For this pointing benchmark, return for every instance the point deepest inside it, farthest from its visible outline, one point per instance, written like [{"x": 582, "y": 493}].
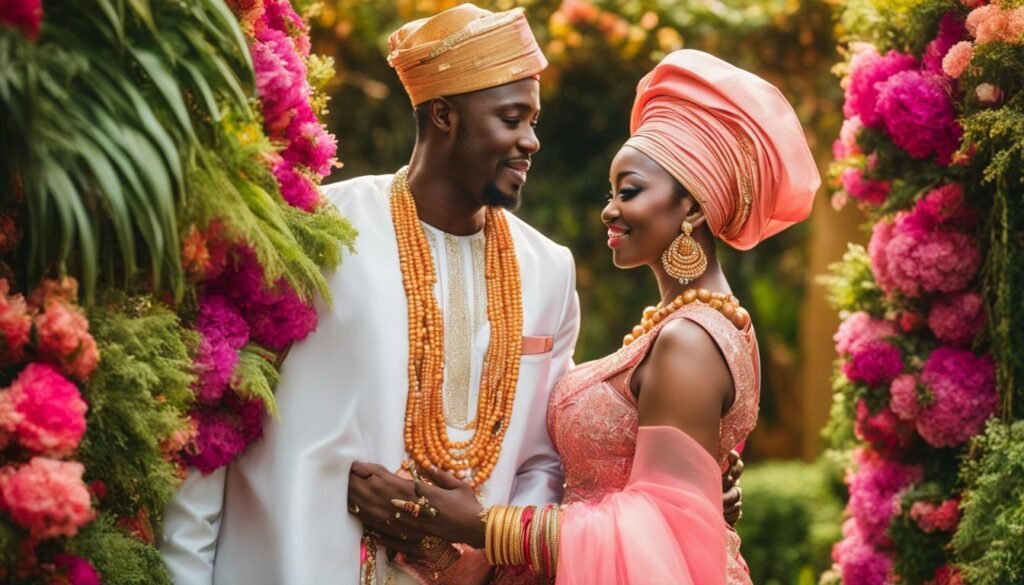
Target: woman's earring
[{"x": 684, "y": 259}]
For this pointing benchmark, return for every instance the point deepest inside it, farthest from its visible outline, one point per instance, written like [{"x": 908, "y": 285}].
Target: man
[{"x": 450, "y": 326}]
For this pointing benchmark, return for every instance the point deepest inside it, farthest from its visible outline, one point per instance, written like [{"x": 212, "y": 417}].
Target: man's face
[{"x": 495, "y": 140}]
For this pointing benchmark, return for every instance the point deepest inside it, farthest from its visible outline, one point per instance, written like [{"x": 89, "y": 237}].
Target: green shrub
[{"x": 791, "y": 518}]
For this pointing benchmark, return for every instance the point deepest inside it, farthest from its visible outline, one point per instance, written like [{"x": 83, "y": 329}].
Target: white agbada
[{"x": 278, "y": 516}]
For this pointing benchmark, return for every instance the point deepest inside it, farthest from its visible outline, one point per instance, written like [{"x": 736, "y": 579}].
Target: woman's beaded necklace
[
  {"x": 426, "y": 431},
  {"x": 728, "y": 305}
]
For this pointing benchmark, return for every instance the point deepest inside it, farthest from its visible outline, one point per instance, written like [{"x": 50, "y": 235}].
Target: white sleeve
[
  {"x": 188, "y": 542},
  {"x": 540, "y": 477}
]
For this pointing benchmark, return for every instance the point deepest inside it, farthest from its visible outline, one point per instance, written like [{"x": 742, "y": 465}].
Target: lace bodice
[{"x": 592, "y": 414}]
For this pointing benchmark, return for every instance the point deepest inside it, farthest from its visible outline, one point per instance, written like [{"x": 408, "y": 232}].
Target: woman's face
[{"x": 644, "y": 212}]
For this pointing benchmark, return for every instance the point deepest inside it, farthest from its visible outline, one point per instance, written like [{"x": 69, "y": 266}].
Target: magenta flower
[
  {"x": 887, "y": 434},
  {"x": 874, "y": 492},
  {"x": 903, "y": 397},
  {"x": 870, "y": 191},
  {"x": 963, "y": 396},
  {"x": 868, "y": 70},
  {"x": 859, "y": 562},
  {"x": 931, "y": 518},
  {"x": 916, "y": 110},
  {"x": 957, "y": 319},
  {"x": 860, "y": 330},
  {"x": 23, "y": 15},
  {"x": 874, "y": 364},
  {"x": 76, "y": 570},
  {"x": 219, "y": 439},
  {"x": 951, "y": 31}
]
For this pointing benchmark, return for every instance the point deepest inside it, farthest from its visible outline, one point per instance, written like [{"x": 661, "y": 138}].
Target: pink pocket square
[{"x": 539, "y": 344}]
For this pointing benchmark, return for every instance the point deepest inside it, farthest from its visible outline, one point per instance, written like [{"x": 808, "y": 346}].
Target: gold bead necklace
[
  {"x": 426, "y": 432},
  {"x": 728, "y": 305}
]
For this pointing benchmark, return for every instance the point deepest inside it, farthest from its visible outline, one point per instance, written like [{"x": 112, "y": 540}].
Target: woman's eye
[
  {"x": 628, "y": 193},
  {"x": 511, "y": 121}
]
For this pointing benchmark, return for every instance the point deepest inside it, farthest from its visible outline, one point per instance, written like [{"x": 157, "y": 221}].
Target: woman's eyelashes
[{"x": 625, "y": 193}]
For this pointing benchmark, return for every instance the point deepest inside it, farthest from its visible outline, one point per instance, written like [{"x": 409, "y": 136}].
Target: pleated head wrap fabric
[
  {"x": 731, "y": 139},
  {"x": 464, "y": 49}
]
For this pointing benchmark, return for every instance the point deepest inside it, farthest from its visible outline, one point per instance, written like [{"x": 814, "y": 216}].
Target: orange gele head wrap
[
  {"x": 731, "y": 139},
  {"x": 464, "y": 49}
]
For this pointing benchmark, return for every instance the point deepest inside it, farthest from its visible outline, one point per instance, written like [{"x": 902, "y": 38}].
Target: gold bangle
[
  {"x": 548, "y": 539},
  {"x": 535, "y": 529},
  {"x": 499, "y": 535},
  {"x": 556, "y": 530},
  {"x": 507, "y": 535},
  {"x": 489, "y": 523}
]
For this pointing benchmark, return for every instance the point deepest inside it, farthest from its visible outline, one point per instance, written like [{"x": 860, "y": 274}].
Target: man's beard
[{"x": 495, "y": 197}]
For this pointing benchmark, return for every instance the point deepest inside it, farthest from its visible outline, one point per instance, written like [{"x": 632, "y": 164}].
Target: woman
[{"x": 714, "y": 152}]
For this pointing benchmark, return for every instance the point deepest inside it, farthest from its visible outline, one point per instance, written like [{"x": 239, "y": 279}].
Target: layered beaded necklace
[
  {"x": 728, "y": 305},
  {"x": 426, "y": 431}
]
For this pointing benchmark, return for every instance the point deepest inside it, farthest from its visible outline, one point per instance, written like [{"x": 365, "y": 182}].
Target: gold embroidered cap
[{"x": 463, "y": 49}]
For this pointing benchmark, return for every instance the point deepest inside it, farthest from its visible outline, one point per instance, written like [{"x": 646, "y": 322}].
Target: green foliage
[
  {"x": 120, "y": 559},
  {"x": 999, "y": 134},
  {"x": 138, "y": 397},
  {"x": 851, "y": 286},
  {"x": 989, "y": 542},
  {"x": 903, "y": 25},
  {"x": 920, "y": 552},
  {"x": 232, "y": 185},
  {"x": 791, "y": 518},
  {"x": 255, "y": 376},
  {"x": 96, "y": 123}
]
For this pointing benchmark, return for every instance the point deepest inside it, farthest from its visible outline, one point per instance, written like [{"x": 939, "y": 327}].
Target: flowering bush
[
  {"x": 170, "y": 358},
  {"x": 925, "y": 368}
]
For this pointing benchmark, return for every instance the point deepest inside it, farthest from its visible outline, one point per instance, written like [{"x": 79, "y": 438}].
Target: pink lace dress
[{"x": 644, "y": 505}]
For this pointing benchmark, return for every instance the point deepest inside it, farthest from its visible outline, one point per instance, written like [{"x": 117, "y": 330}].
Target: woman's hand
[
  {"x": 732, "y": 493},
  {"x": 386, "y": 503}
]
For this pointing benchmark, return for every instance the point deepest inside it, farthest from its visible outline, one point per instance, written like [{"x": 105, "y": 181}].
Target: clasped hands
[{"x": 415, "y": 515}]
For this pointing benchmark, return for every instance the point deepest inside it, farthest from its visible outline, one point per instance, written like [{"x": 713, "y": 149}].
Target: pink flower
[
  {"x": 874, "y": 492},
  {"x": 957, "y": 59},
  {"x": 962, "y": 393},
  {"x": 839, "y": 200},
  {"x": 935, "y": 261},
  {"x": 881, "y": 236},
  {"x": 224, "y": 332},
  {"x": 916, "y": 110},
  {"x": 276, "y": 315},
  {"x": 858, "y": 561},
  {"x": 870, "y": 191},
  {"x": 948, "y": 575},
  {"x": 988, "y": 93},
  {"x": 957, "y": 319},
  {"x": 76, "y": 570},
  {"x": 46, "y": 497},
  {"x": 848, "y": 134},
  {"x": 868, "y": 70},
  {"x": 951, "y": 32},
  {"x": 991, "y": 24},
  {"x": 860, "y": 330},
  {"x": 46, "y": 412},
  {"x": 874, "y": 364},
  {"x": 64, "y": 339},
  {"x": 909, "y": 321},
  {"x": 280, "y": 79},
  {"x": 296, "y": 189},
  {"x": 218, "y": 441},
  {"x": 931, "y": 518},
  {"x": 903, "y": 397},
  {"x": 23, "y": 15},
  {"x": 15, "y": 326},
  {"x": 887, "y": 434}
]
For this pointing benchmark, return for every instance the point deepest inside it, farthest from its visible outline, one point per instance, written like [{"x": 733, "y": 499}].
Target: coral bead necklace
[
  {"x": 728, "y": 305},
  {"x": 426, "y": 431}
]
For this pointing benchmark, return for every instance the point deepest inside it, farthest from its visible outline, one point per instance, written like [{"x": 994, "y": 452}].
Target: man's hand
[{"x": 732, "y": 493}]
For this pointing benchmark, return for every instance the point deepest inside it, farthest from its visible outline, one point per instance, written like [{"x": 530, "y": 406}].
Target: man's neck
[{"x": 439, "y": 204}]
